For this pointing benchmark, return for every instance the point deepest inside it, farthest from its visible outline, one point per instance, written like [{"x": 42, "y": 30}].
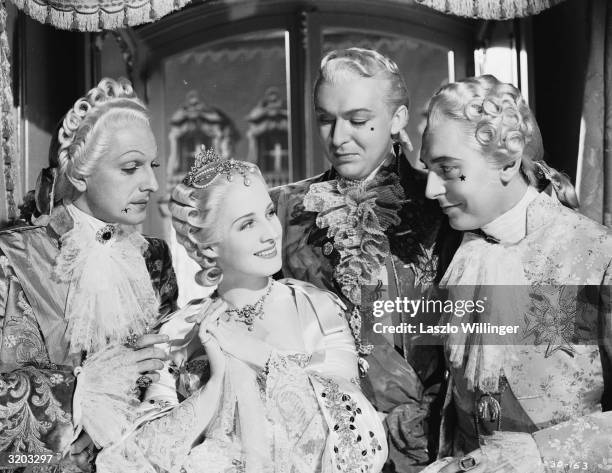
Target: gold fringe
[
  {"x": 33, "y": 9},
  {"x": 490, "y": 9},
  {"x": 59, "y": 19},
  {"x": 137, "y": 16},
  {"x": 111, "y": 21},
  {"x": 112, "y": 17},
  {"x": 161, "y": 8},
  {"x": 87, "y": 22}
]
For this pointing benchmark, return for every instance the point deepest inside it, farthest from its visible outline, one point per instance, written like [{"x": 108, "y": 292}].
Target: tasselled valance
[
  {"x": 490, "y": 9},
  {"x": 97, "y": 15}
]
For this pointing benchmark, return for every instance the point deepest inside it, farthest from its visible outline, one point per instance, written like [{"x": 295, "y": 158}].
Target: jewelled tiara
[{"x": 208, "y": 165}]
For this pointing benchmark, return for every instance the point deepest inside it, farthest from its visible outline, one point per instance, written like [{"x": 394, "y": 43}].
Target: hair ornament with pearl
[{"x": 209, "y": 165}]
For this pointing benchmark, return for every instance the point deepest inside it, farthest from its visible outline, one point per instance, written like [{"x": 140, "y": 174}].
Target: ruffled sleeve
[{"x": 105, "y": 402}]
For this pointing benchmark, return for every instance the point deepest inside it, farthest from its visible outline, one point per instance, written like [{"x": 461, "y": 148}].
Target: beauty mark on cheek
[
  {"x": 372, "y": 129},
  {"x": 125, "y": 210}
]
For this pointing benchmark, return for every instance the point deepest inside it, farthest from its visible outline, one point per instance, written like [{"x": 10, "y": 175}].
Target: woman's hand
[
  {"x": 216, "y": 357},
  {"x": 207, "y": 316},
  {"x": 235, "y": 340}
]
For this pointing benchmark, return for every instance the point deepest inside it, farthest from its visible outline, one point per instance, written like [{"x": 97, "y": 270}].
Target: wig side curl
[
  {"x": 83, "y": 136},
  {"x": 500, "y": 125}
]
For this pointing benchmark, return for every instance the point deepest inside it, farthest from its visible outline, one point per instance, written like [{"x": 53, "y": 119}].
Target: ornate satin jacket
[
  {"x": 36, "y": 371},
  {"x": 415, "y": 241},
  {"x": 553, "y": 387}
]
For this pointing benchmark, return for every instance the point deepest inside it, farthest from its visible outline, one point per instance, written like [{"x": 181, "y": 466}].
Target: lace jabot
[
  {"x": 110, "y": 294},
  {"x": 356, "y": 215},
  {"x": 493, "y": 272}
]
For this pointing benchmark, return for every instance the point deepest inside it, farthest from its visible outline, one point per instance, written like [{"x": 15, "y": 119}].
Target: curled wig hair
[
  {"x": 499, "y": 124},
  {"x": 337, "y": 64},
  {"x": 83, "y": 136},
  {"x": 194, "y": 217}
]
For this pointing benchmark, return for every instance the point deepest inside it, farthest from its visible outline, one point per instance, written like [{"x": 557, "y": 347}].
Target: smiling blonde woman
[{"x": 283, "y": 393}]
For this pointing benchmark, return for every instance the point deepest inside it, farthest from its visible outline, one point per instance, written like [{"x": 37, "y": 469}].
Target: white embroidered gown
[{"x": 306, "y": 414}]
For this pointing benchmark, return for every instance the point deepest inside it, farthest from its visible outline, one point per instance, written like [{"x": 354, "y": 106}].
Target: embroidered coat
[
  {"x": 304, "y": 413},
  {"x": 36, "y": 371},
  {"x": 556, "y": 389},
  {"x": 401, "y": 374}
]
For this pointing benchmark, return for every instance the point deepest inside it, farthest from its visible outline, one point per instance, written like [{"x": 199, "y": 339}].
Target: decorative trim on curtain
[
  {"x": 97, "y": 15},
  {"x": 8, "y": 155},
  {"x": 595, "y": 160},
  {"x": 490, "y": 9}
]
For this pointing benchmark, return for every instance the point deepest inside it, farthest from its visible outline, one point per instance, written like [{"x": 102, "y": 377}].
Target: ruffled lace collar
[
  {"x": 356, "y": 215},
  {"x": 485, "y": 270},
  {"x": 110, "y": 295}
]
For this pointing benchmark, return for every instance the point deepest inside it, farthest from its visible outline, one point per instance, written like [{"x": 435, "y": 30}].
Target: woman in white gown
[{"x": 283, "y": 393}]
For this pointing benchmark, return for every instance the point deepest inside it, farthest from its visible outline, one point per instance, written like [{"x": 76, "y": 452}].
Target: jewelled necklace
[{"x": 249, "y": 312}]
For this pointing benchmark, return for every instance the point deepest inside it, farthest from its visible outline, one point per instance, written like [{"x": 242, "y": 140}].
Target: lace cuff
[
  {"x": 105, "y": 401},
  {"x": 164, "y": 390}
]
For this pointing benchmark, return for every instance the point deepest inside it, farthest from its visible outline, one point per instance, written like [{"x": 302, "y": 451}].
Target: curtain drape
[
  {"x": 96, "y": 15},
  {"x": 595, "y": 161},
  {"x": 490, "y": 9},
  {"x": 8, "y": 158}
]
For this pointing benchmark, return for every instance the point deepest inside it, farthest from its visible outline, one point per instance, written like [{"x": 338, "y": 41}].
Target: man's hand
[{"x": 148, "y": 358}]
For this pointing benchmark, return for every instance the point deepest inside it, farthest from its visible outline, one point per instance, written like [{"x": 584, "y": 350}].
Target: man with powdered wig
[{"x": 366, "y": 221}]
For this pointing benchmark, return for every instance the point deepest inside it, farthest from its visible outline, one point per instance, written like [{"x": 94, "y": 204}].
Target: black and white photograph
[{"x": 305, "y": 236}]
